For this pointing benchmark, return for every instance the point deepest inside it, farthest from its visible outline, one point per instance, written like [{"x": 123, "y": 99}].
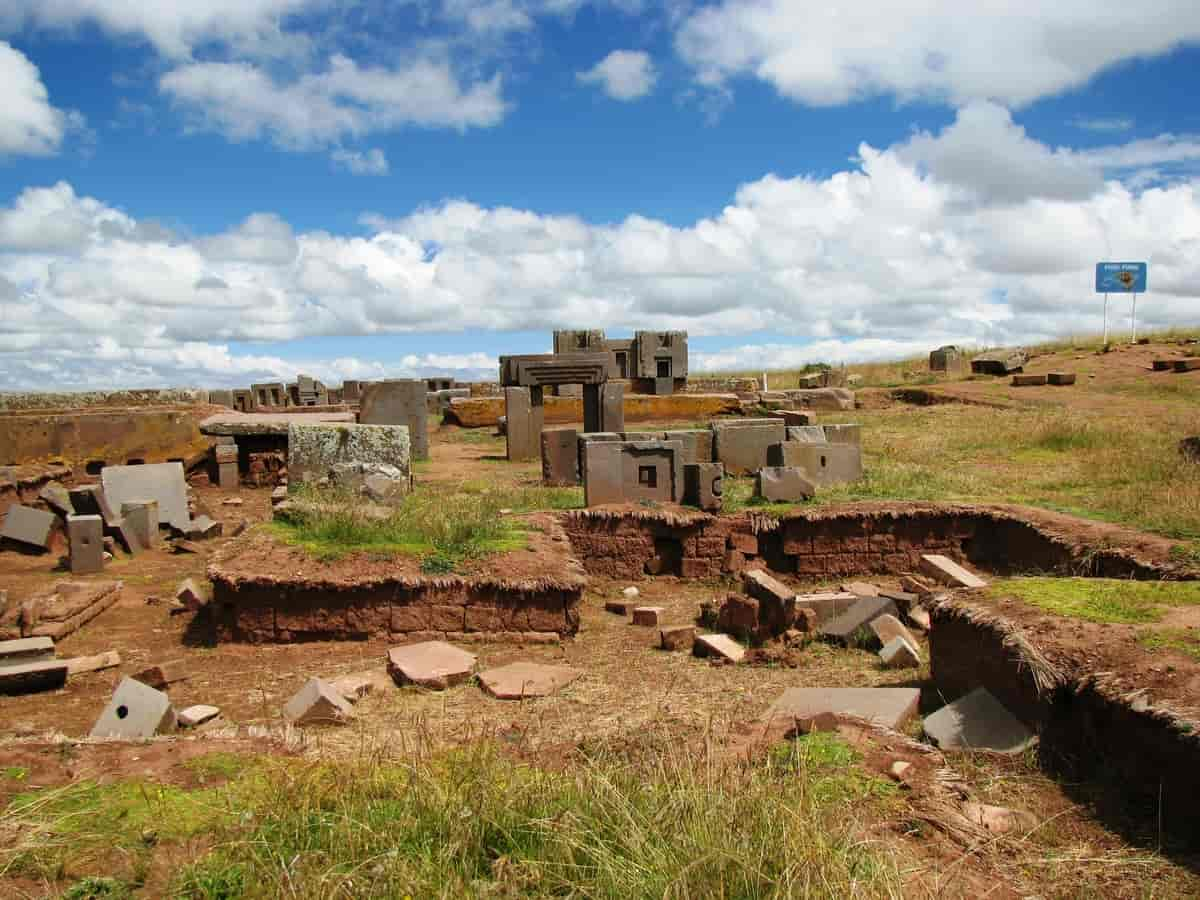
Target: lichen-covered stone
[{"x": 351, "y": 456}]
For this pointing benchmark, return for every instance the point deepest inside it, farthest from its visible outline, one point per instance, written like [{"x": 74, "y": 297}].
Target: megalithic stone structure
[{"x": 524, "y": 379}]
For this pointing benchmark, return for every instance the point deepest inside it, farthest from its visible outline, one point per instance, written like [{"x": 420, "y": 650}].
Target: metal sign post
[{"x": 1121, "y": 278}]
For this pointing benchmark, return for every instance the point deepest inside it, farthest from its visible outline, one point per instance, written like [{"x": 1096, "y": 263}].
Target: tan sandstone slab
[
  {"x": 948, "y": 572},
  {"x": 525, "y": 679},
  {"x": 431, "y": 664},
  {"x": 891, "y": 707}
]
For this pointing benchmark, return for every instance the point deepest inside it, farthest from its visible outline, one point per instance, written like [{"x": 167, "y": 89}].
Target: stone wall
[{"x": 95, "y": 437}]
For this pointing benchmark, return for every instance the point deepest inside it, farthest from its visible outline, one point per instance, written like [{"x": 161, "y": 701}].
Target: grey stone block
[
  {"x": 826, "y": 606},
  {"x": 28, "y": 526},
  {"x": 317, "y": 703},
  {"x": 30, "y": 677},
  {"x": 829, "y": 398},
  {"x": 57, "y": 498},
  {"x": 899, "y": 653},
  {"x": 977, "y": 721},
  {"x": 844, "y": 434},
  {"x": 890, "y": 707},
  {"x": 887, "y": 628},
  {"x": 524, "y": 420},
  {"x": 560, "y": 456},
  {"x": 948, "y": 572},
  {"x": 783, "y": 484},
  {"x": 140, "y": 519},
  {"x": 743, "y": 448},
  {"x": 697, "y": 444},
  {"x": 823, "y": 464},
  {"x": 90, "y": 500},
  {"x": 851, "y": 625},
  {"x": 703, "y": 485},
  {"x": 631, "y": 471},
  {"x": 228, "y": 478},
  {"x": 347, "y": 454},
  {"x": 612, "y": 406},
  {"x": 806, "y": 434},
  {"x": 162, "y": 482},
  {"x": 135, "y": 711},
  {"x": 86, "y": 534},
  {"x": 399, "y": 402},
  {"x": 26, "y": 650}
]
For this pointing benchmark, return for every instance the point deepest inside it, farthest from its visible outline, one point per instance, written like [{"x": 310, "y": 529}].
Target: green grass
[
  {"x": 473, "y": 822},
  {"x": 443, "y": 527},
  {"x": 1101, "y": 599},
  {"x": 1181, "y": 640}
]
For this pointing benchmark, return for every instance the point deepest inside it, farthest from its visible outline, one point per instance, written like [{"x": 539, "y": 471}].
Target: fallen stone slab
[
  {"x": 136, "y": 711},
  {"x": 919, "y": 618},
  {"x": 900, "y": 653},
  {"x": 776, "y": 601},
  {"x": 80, "y": 665},
  {"x": 904, "y": 600},
  {"x": 67, "y": 607},
  {"x": 853, "y": 626},
  {"x": 161, "y": 482},
  {"x": 202, "y": 528},
  {"x": 889, "y": 707},
  {"x": 826, "y": 606},
  {"x": 1187, "y": 365},
  {"x": 1060, "y": 378},
  {"x": 33, "y": 676},
  {"x": 89, "y": 500},
  {"x": 861, "y": 589},
  {"x": 678, "y": 637},
  {"x": 160, "y": 675},
  {"x": 317, "y": 703},
  {"x": 948, "y": 572},
  {"x": 1000, "y": 362},
  {"x": 29, "y": 527},
  {"x": 888, "y": 627},
  {"x": 647, "y": 615},
  {"x": 1028, "y": 380},
  {"x": 197, "y": 715},
  {"x": 783, "y": 484},
  {"x": 526, "y": 679},
  {"x": 25, "y": 650},
  {"x": 977, "y": 721},
  {"x": 430, "y": 664},
  {"x": 721, "y": 646},
  {"x": 57, "y": 498},
  {"x": 139, "y": 523}
]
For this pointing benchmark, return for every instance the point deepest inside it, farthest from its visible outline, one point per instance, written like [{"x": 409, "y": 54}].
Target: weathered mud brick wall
[{"x": 836, "y": 542}]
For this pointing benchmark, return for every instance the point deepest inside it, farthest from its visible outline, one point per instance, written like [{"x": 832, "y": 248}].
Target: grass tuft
[{"x": 1101, "y": 599}]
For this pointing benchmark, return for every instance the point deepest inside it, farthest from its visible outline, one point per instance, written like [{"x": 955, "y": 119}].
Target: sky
[{"x": 214, "y": 192}]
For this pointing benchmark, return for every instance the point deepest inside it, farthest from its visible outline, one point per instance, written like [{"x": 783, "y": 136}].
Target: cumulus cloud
[
  {"x": 242, "y": 100},
  {"x": 1013, "y": 52},
  {"x": 29, "y": 124},
  {"x": 623, "y": 75},
  {"x": 898, "y": 253},
  {"x": 173, "y": 27},
  {"x": 359, "y": 162}
]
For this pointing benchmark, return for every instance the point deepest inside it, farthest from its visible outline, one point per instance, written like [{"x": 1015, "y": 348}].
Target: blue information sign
[{"x": 1121, "y": 278}]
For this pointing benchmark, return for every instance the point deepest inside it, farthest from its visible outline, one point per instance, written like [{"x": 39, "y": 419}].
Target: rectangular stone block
[
  {"x": 844, "y": 434},
  {"x": 783, "y": 484},
  {"x": 135, "y": 711},
  {"x": 560, "y": 457},
  {"x": 602, "y": 472},
  {"x": 25, "y": 650},
  {"x": 631, "y": 471},
  {"x": 855, "y": 622},
  {"x": 808, "y": 434},
  {"x": 351, "y": 454},
  {"x": 743, "y": 449},
  {"x": 162, "y": 482},
  {"x": 1026, "y": 380},
  {"x": 697, "y": 444},
  {"x": 225, "y": 453},
  {"x": 29, "y": 677},
  {"x": 228, "y": 478},
  {"x": 948, "y": 572},
  {"x": 612, "y": 406},
  {"x": 29, "y": 527},
  {"x": 823, "y": 464},
  {"x": 977, "y": 721},
  {"x": 703, "y": 485},
  {"x": 889, "y": 707},
  {"x": 826, "y": 606},
  {"x": 523, "y": 423},
  {"x": 140, "y": 521},
  {"x": 399, "y": 402},
  {"x": 86, "y": 536},
  {"x": 90, "y": 500},
  {"x": 1060, "y": 378}
]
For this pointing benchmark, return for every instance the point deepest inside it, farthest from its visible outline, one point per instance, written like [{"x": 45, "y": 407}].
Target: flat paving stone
[
  {"x": 525, "y": 679},
  {"x": 719, "y": 645},
  {"x": 890, "y": 707},
  {"x": 977, "y": 721},
  {"x": 858, "y": 617},
  {"x": 431, "y": 664},
  {"x": 948, "y": 572},
  {"x": 197, "y": 715}
]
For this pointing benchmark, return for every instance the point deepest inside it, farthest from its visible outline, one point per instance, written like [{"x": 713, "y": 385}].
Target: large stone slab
[
  {"x": 134, "y": 712},
  {"x": 273, "y": 425},
  {"x": 29, "y": 527},
  {"x": 163, "y": 482},
  {"x": 826, "y": 605},
  {"x": 526, "y": 679},
  {"x": 824, "y": 464},
  {"x": 29, "y": 677},
  {"x": 999, "y": 362},
  {"x": 850, "y": 625},
  {"x": 703, "y": 485},
  {"x": 948, "y": 572},
  {"x": 743, "y": 448},
  {"x": 721, "y": 646},
  {"x": 783, "y": 484},
  {"x": 560, "y": 457},
  {"x": 889, "y": 707},
  {"x": 697, "y": 444},
  {"x": 830, "y": 398},
  {"x": 25, "y": 650},
  {"x": 90, "y": 500},
  {"x": 431, "y": 664},
  {"x": 349, "y": 455},
  {"x": 86, "y": 534},
  {"x": 887, "y": 628},
  {"x": 977, "y": 721},
  {"x": 399, "y": 402}
]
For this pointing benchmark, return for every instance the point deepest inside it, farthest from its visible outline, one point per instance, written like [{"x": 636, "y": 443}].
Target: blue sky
[{"x": 219, "y": 191}]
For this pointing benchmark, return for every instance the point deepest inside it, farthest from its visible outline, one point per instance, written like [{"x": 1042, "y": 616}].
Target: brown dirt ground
[{"x": 630, "y": 690}]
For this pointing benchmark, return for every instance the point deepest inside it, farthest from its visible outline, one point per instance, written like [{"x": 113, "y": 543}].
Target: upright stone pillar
[
  {"x": 86, "y": 534},
  {"x": 593, "y": 409},
  {"x": 524, "y": 417},
  {"x": 399, "y": 402},
  {"x": 612, "y": 406}
]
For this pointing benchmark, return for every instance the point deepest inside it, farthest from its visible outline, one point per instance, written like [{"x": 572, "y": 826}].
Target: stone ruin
[{"x": 655, "y": 362}]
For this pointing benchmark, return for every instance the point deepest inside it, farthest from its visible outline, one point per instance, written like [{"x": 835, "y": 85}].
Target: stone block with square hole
[
  {"x": 135, "y": 712},
  {"x": 703, "y": 485},
  {"x": 632, "y": 472},
  {"x": 824, "y": 464},
  {"x": 743, "y": 447}
]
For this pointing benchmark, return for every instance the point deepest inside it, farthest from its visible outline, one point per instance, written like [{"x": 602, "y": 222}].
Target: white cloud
[
  {"x": 1013, "y": 52},
  {"x": 243, "y": 101},
  {"x": 29, "y": 124},
  {"x": 623, "y": 74},
  {"x": 359, "y": 162},
  {"x": 897, "y": 254},
  {"x": 1115, "y": 123},
  {"x": 173, "y": 27}
]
